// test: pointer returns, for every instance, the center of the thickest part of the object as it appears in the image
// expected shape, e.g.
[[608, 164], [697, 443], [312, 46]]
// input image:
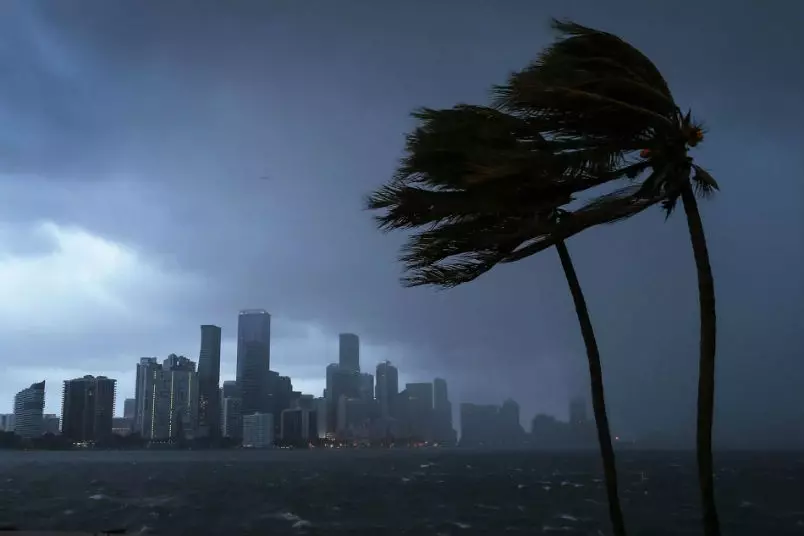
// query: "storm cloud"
[[165, 164]]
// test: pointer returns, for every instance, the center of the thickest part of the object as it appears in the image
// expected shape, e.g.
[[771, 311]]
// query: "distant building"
[[232, 418], [341, 382], [130, 408], [254, 359], [29, 405], [387, 388], [171, 405], [87, 408], [7, 422], [229, 389], [147, 368], [366, 386], [354, 418], [349, 352], [443, 431], [321, 416], [479, 425], [122, 426], [298, 425], [419, 408], [209, 375], [50, 423], [258, 430], [510, 427]]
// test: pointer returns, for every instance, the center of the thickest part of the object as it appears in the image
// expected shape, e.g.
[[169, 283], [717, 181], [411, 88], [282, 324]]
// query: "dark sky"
[[133, 136]]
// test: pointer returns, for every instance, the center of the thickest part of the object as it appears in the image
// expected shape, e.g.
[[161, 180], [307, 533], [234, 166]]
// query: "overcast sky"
[[133, 136]]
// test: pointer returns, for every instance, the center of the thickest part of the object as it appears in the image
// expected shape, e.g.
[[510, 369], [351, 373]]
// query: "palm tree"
[[607, 111], [487, 189]]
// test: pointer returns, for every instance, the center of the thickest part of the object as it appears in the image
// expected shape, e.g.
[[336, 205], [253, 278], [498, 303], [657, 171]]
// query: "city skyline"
[[88, 402], [144, 194], [228, 366]]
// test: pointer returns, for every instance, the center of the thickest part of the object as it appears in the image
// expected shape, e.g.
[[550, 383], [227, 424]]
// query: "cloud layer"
[[132, 209]]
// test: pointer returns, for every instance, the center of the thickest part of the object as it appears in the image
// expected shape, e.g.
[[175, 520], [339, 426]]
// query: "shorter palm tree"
[[484, 188]]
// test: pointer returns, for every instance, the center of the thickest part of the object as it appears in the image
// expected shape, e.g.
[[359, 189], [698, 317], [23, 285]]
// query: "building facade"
[[147, 368], [349, 352], [209, 375], [253, 359], [87, 408], [29, 406], [258, 430], [171, 400], [387, 389]]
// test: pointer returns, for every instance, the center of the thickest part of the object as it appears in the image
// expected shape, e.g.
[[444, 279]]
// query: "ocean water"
[[444, 492]]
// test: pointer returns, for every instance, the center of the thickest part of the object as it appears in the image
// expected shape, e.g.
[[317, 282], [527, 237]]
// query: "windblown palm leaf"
[[607, 111], [482, 183]]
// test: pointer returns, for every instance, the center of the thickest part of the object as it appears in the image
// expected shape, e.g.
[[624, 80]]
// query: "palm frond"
[[704, 183]]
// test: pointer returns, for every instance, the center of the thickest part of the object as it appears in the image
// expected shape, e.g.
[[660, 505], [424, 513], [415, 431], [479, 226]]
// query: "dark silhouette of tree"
[[486, 187], [610, 114]]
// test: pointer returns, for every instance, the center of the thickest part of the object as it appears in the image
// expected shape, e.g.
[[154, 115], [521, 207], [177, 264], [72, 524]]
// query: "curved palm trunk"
[[598, 396], [706, 364]]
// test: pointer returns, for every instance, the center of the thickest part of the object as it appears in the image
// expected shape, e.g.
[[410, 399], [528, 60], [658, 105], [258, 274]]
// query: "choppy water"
[[389, 492]]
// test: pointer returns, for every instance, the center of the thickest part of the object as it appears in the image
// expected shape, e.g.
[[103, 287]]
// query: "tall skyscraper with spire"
[[209, 375], [253, 360]]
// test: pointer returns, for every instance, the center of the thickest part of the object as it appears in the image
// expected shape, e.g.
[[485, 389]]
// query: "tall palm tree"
[[486, 188], [607, 111]]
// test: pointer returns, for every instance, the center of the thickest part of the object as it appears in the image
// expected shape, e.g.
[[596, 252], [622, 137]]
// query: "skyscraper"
[[146, 368], [209, 375], [349, 352], [170, 407], [87, 408], [253, 359], [419, 405], [442, 412], [366, 386], [29, 405], [129, 408], [387, 388]]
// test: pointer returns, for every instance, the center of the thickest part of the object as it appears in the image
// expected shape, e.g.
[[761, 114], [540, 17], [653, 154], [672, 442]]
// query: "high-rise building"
[[146, 369], [232, 418], [229, 389], [253, 359], [170, 400], [298, 425], [509, 427], [341, 383], [366, 386], [442, 413], [29, 405], [387, 388], [419, 408], [349, 352], [258, 430], [209, 375], [87, 408], [479, 424], [129, 408]]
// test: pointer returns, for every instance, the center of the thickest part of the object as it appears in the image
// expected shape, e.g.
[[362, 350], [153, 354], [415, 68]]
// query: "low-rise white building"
[[258, 430]]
